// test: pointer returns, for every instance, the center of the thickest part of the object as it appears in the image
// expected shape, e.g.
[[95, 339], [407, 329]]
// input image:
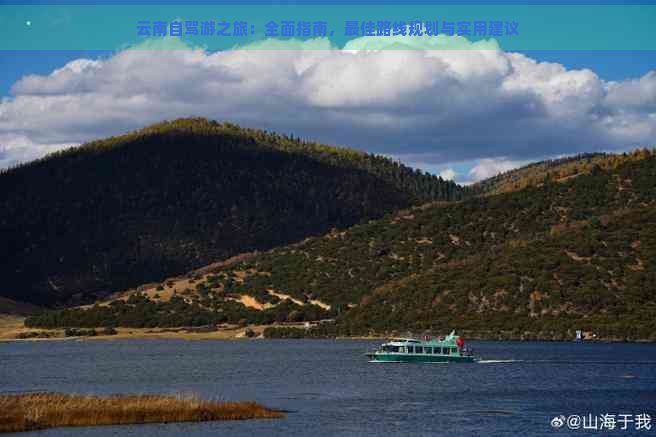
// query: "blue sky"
[[543, 104]]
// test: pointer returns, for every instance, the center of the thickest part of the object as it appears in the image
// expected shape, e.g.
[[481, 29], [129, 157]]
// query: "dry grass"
[[10, 326], [11, 321], [25, 412], [11, 333]]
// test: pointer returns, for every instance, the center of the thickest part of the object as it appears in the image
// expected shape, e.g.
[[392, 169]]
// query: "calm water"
[[331, 389]]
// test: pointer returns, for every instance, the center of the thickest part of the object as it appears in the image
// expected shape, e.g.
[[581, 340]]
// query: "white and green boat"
[[427, 350]]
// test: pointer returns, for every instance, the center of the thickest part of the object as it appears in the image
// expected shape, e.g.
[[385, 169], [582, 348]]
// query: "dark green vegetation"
[[141, 312], [538, 263], [558, 170], [578, 254], [600, 277], [320, 331], [534, 173], [178, 195], [35, 334], [549, 248], [9, 306]]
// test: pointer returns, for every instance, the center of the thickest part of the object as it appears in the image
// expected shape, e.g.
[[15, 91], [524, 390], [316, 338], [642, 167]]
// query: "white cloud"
[[467, 101], [448, 174], [633, 94], [15, 149], [491, 167]]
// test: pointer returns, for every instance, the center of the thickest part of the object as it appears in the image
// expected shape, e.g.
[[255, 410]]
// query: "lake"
[[330, 388]]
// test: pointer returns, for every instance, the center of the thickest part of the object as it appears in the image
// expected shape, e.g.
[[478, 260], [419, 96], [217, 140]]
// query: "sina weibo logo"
[[558, 422]]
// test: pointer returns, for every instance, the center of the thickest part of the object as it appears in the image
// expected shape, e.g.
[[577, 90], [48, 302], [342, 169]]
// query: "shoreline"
[[228, 337], [237, 335], [12, 326]]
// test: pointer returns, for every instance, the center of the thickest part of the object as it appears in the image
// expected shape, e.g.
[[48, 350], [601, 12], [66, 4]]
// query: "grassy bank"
[[26, 412], [14, 330]]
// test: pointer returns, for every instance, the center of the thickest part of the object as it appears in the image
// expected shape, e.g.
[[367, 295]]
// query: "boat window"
[[445, 350], [453, 350], [429, 350], [402, 349], [419, 349], [411, 349]]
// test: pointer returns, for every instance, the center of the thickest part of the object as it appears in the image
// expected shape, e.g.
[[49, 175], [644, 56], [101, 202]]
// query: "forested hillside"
[[558, 170], [552, 257], [161, 201], [599, 277]]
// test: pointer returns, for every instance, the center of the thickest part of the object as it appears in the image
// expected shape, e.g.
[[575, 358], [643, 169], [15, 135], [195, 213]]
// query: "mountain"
[[564, 254], [114, 213], [598, 277], [558, 170]]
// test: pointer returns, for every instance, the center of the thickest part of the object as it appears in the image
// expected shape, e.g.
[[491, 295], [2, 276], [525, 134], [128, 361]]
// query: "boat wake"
[[568, 362], [612, 363]]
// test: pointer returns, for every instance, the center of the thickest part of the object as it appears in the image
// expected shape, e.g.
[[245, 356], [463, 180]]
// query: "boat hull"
[[416, 358]]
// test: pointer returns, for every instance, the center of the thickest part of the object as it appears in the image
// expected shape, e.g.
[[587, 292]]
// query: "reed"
[[26, 412]]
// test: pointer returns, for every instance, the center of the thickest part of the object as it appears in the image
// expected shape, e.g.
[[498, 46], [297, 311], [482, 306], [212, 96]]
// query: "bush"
[[73, 332], [34, 334], [109, 331]]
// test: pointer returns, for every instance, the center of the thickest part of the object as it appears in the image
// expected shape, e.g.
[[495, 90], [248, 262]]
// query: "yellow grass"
[[10, 326], [251, 302], [12, 331], [11, 321], [25, 412], [283, 296]]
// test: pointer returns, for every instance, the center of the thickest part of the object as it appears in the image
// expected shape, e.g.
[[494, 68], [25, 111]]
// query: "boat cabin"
[[450, 348]]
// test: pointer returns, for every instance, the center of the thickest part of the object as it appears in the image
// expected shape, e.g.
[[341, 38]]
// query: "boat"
[[426, 350]]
